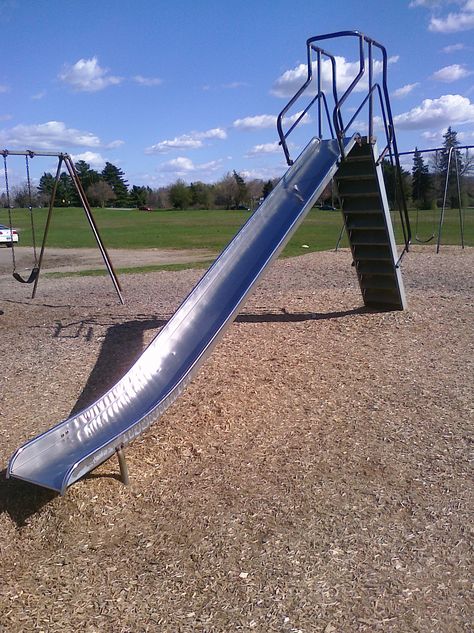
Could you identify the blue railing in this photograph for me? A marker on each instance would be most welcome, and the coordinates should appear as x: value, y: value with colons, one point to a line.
x: 336, y: 126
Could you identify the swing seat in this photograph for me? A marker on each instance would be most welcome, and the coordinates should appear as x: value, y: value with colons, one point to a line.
x: 33, y: 276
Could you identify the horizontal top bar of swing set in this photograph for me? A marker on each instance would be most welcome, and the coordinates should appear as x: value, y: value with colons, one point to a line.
x: 31, y: 153
x: 435, y: 149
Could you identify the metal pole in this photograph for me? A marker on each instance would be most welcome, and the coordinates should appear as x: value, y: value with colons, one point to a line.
x: 87, y: 210
x: 441, y: 217
x: 123, y: 466
x: 48, y: 221
x: 461, y: 219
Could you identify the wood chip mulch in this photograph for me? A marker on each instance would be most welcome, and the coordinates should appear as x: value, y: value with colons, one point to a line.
x: 314, y: 477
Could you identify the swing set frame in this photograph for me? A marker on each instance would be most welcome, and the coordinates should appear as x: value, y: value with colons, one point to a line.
x: 63, y: 160
x: 452, y: 157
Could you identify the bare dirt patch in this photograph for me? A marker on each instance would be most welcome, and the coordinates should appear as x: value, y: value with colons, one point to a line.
x: 315, y: 477
x: 74, y: 260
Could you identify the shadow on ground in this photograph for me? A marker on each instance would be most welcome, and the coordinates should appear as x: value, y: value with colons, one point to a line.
x: 122, y: 346
x: 20, y: 500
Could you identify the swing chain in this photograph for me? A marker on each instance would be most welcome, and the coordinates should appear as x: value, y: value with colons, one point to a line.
x: 30, y: 154
x: 10, y: 217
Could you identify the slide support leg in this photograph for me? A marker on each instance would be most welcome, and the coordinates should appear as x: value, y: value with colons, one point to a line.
x: 123, y: 466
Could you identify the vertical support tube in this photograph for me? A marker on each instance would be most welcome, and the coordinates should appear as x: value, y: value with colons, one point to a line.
x: 320, y: 126
x: 441, y: 217
x: 371, y: 98
x: 123, y: 466
x: 87, y: 210
x: 461, y: 218
x: 52, y: 200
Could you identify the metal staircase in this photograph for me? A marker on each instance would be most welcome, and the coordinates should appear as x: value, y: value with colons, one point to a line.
x: 359, y: 177
x: 369, y: 228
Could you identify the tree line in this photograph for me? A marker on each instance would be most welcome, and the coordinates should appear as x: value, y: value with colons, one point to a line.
x: 109, y: 187
x: 446, y: 171
x: 424, y: 187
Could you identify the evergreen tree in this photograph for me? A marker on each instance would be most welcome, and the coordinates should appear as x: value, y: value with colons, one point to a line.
x: 267, y: 188
x: 242, y: 193
x: 139, y: 196
x: 421, y: 187
x: 87, y: 175
x: 446, y: 167
x: 115, y: 177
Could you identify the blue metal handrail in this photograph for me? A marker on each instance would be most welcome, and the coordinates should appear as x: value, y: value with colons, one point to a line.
x: 338, y: 129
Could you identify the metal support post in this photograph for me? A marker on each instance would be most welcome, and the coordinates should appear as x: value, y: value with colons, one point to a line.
x: 123, y: 466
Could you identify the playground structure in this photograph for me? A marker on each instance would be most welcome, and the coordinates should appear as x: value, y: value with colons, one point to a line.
x: 69, y: 450
x: 66, y: 160
x: 451, y: 153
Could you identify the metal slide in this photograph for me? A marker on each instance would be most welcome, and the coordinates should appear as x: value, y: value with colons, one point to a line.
x: 62, y: 455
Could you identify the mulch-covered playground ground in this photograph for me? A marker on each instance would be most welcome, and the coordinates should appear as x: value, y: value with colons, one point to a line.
x: 314, y: 477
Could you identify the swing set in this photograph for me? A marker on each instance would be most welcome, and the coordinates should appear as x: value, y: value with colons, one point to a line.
x: 63, y: 160
x: 437, y: 226
x: 452, y: 160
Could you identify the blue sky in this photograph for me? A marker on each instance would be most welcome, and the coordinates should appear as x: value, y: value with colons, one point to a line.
x: 191, y: 89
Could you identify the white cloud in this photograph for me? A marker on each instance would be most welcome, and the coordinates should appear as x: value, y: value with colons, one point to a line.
x: 263, y: 173
x: 87, y: 76
x: 147, y: 81
x: 6, y: 117
x: 183, y: 167
x: 257, y: 122
x: 4, y: 88
x: 446, y: 110
x: 291, y: 80
x: 264, y: 148
x: 425, y: 3
x: 462, y: 20
x: 39, y: 95
x: 50, y: 136
x: 451, y: 73
x: 262, y: 121
x: 405, y: 90
x: 193, y: 140
x: 452, y: 48
x: 94, y: 159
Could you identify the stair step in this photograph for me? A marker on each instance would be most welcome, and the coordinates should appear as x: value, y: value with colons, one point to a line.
x: 382, y: 282
x: 372, y: 252
x: 367, y: 187
x: 365, y: 221
x: 355, y: 169
x: 364, y: 238
x: 380, y: 297
x: 359, y: 205
x: 367, y: 267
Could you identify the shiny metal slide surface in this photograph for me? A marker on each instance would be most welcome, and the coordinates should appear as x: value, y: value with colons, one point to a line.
x: 66, y: 452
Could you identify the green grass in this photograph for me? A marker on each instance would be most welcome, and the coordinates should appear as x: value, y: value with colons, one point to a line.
x: 210, y: 230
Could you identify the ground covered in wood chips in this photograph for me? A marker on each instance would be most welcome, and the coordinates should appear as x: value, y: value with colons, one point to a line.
x: 313, y: 478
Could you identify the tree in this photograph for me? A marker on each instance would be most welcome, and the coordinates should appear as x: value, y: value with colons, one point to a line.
x: 421, y: 186
x: 139, y: 196
x: 87, y: 175
x: 392, y: 182
x: 226, y: 191
x: 179, y: 194
x: 267, y: 188
x: 100, y: 193
x: 65, y: 191
x: 446, y: 167
x: 200, y: 194
x: 115, y: 177
x: 241, y: 195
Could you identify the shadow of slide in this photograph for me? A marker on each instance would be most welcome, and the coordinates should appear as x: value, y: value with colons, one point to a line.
x: 20, y: 500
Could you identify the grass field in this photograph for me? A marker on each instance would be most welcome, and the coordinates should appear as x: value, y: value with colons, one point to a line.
x: 190, y: 229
